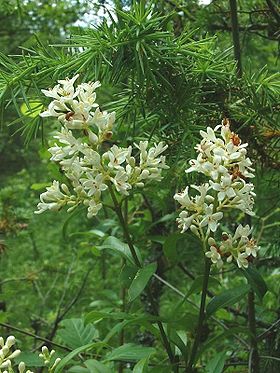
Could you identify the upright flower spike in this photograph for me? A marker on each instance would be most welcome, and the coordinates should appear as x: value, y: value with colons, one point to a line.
x: 222, y: 158
x: 78, y: 150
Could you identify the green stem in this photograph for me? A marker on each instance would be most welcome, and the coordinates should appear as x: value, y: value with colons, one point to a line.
x: 254, y: 360
x: 137, y: 262
x: 201, y: 315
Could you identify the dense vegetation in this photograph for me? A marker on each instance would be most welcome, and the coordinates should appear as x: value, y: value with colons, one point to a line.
x: 120, y: 291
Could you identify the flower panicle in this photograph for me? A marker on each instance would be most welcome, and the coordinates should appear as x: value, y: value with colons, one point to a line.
x: 78, y: 150
x: 222, y: 158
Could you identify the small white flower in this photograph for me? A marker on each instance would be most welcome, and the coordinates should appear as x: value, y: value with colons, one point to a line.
x: 224, y: 188
x: 93, y: 207
x: 120, y: 182
x: 211, y: 219
x: 215, y: 256
x: 184, y: 221
x: 242, y: 260
x: 94, y: 184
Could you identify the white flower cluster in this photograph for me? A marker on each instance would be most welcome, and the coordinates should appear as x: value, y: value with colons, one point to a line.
x: 222, y: 158
x: 239, y: 247
x: 82, y: 156
x: 46, y: 355
x: 6, y: 357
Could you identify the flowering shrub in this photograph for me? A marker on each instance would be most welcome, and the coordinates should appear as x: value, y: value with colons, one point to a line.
x: 88, y: 166
x: 222, y: 158
x: 7, y: 356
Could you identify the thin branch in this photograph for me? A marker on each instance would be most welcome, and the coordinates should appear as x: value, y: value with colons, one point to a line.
x: 273, y: 10
x: 254, y: 360
x: 273, y: 327
x: 22, y: 331
x: 235, y: 36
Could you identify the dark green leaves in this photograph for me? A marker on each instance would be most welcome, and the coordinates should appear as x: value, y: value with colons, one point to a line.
x: 95, y: 366
x: 169, y: 246
x: 227, y: 298
x: 69, y: 357
x: 130, y: 352
x: 198, y: 282
x: 140, y: 280
x: 113, y: 243
x: 256, y: 281
x: 75, y: 334
x: 216, y: 364
x: 92, y: 366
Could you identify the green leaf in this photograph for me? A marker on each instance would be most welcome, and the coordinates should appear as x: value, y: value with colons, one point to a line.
x: 75, y: 334
x: 178, y: 339
x: 198, y: 284
x: 30, y: 359
x: 74, y: 353
x: 169, y: 246
x: 39, y: 186
x: 99, y: 315
x: 141, y: 366
x: 113, y: 243
x: 216, y: 364
x: 77, y: 369
x: 95, y: 366
x: 127, y: 275
x: 256, y: 281
x: 227, y: 298
x: 140, y: 280
x: 34, y: 109
x: 210, y: 343
x: 130, y: 352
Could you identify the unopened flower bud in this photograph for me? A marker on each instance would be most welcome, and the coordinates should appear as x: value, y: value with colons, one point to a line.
x: 108, y: 135
x: 57, y: 361
x: 224, y: 236
x: 209, y: 199
x: 145, y: 174
x: 45, y: 350
x: 65, y: 188
x: 21, y: 367
x: 6, y: 364
x: 52, y: 353
x: 2, y: 341
x: 5, y: 350
x: 194, y: 230
x: 10, y: 341
x: 92, y: 137
x: 15, y: 354
x: 211, y: 241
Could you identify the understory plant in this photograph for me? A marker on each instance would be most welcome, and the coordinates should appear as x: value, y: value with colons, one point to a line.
x: 100, y: 174
x: 222, y: 159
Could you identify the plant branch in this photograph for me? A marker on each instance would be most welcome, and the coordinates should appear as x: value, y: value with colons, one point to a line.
x: 22, y: 331
x: 273, y: 10
x: 139, y: 265
x: 254, y: 359
x: 235, y: 35
x: 201, y: 315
